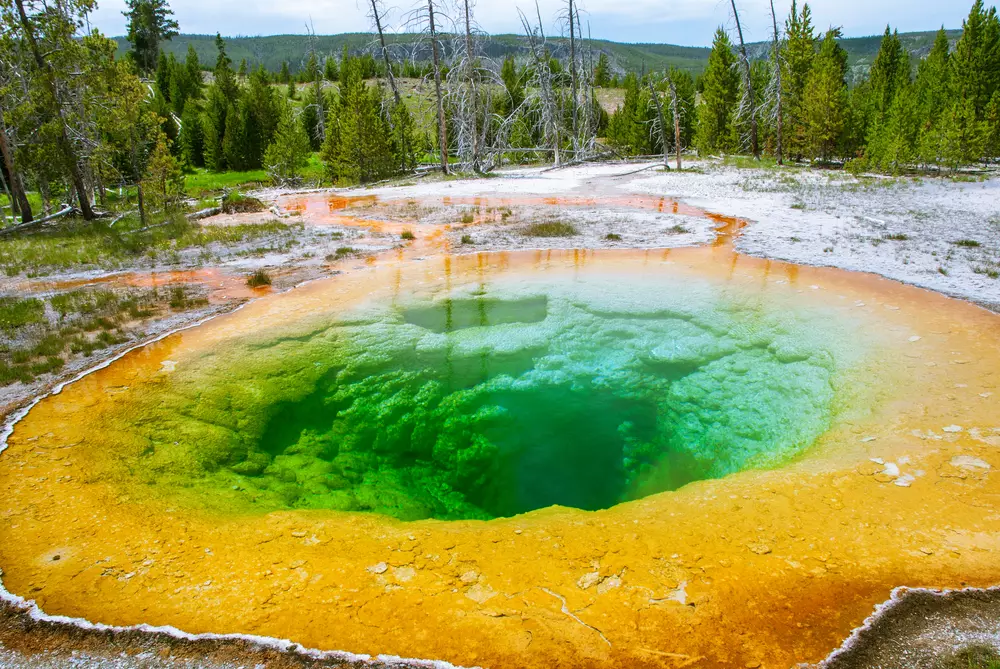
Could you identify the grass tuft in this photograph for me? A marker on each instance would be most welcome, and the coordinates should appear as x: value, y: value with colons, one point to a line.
x: 467, y: 239
x: 550, y: 229
x: 967, y: 243
x: 235, y: 203
x: 896, y: 237
x: 613, y: 237
x: 259, y: 279
x: 407, y: 235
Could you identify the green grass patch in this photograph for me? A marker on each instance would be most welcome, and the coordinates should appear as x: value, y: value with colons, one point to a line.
x: 76, y: 244
x: 467, y: 239
x: 613, y: 237
x: 203, y: 182
x: 896, y: 237
x: 407, y: 235
x: 259, y: 279
x: 972, y: 657
x: 15, y: 313
x: 967, y: 243
x: 550, y: 229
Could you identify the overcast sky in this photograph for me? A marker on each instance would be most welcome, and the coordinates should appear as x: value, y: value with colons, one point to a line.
x: 686, y: 22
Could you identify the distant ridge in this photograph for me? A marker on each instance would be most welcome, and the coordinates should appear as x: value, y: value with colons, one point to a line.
x: 271, y: 51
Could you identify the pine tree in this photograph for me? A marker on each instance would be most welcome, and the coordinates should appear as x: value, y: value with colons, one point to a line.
x: 358, y: 147
x: 164, y: 181
x: 602, y: 71
x: 513, y: 82
x: 976, y: 61
x: 163, y: 71
x: 192, y: 138
x: 193, y: 68
x: 630, y: 126
x: 716, y: 131
x: 889, y: 72
x: 331, y: 71
x: 826, y: 98
x: 288, y: 153
x: 285, y: 75
x: 149, y: 23
x: 965, y: 137
x: 797, y: 62
x: 993, y: 127
x: 933, y: 90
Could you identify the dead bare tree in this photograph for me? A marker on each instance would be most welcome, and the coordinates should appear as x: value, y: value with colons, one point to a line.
x: 775, y: 91
x: 435, y: 50
x: 677, y: 121
x: 317, y: 83
x: 661, y: 123
x: 471, y: 101
x: 376, y: 16
x: 543, y: 89
x: 748, y: 105
x: 572, y: 18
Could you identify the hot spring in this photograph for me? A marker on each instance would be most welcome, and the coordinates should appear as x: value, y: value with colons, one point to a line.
x: 554, y: 458
x: 493, y: 397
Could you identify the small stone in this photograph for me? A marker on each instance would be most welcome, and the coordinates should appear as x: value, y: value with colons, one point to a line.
x: 952, y: 428
x: 866, y: 440
x: 379, y: 568
x: 588, y: 580
x: 891, y: 469
x: 480, y: 593
x: 469, y: 576
x: 878, y: 461
x: 969, y: 462
x: 298, y: 534
x: 759, y: 549
x: 914, y: 339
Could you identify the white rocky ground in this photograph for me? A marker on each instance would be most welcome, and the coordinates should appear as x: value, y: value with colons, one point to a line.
x: 941, y: 233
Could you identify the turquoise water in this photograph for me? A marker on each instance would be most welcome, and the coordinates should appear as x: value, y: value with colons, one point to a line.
x: 496, y: 400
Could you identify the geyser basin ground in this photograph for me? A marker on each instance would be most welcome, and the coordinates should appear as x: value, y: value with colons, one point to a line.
x: 819, y: 438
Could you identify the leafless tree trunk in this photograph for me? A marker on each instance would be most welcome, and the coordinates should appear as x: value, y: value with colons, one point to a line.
x: 677, y: 122
x: 65, y: 144
x: 749, y: 102
x: 474, y: 95
x: 377, y: 17
x: 18, y: 198
x: 778, y: 90
x: 442, y: 126
x: 317, y: 86
x: 13, y: 204
x: 572, y: 66
x: 662, y: 122
x: 550, y: 117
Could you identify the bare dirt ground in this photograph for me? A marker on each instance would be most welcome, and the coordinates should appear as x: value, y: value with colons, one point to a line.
x: 938, y: 233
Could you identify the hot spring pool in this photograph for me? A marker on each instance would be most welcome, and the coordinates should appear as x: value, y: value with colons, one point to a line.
x: 542, y: 458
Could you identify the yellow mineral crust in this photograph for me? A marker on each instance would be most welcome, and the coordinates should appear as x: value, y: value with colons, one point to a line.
x: 761, y: 568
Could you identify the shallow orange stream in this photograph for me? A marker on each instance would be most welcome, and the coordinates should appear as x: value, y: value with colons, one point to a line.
x: 764, y: 568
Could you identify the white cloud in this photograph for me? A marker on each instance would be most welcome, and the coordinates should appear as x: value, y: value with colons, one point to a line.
x: 689, y: 22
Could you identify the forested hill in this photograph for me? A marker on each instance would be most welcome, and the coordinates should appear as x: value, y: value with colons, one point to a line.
x: 272, y: 51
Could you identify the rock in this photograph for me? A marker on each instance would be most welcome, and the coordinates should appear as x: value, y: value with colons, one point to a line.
x: 588, y: 580
x: 914, y: 339
x: 952, y: 428
x: 759, y: 549
x: 480, y: 593
x: 379, y: 568
x: 969, y: 462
